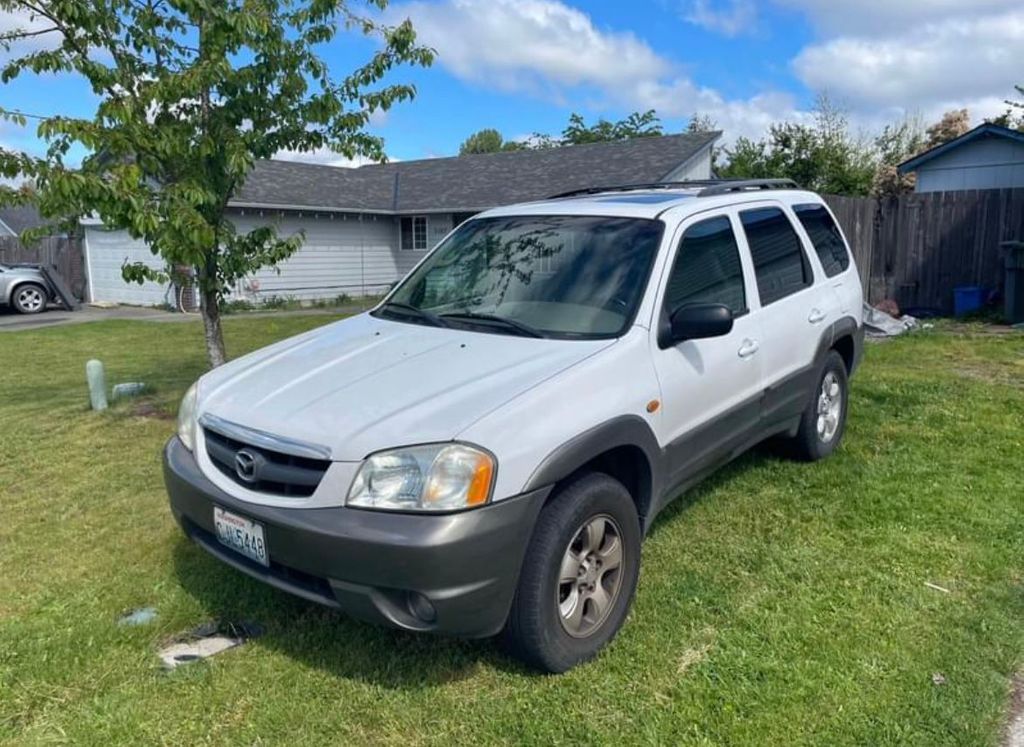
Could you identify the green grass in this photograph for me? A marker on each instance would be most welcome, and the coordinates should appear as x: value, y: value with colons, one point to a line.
x: 779, y: 603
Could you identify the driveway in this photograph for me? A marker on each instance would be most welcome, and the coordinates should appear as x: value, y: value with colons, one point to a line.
x: 11, y: 321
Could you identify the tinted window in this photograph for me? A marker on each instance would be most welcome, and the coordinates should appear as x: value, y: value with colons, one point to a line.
x: 825, y: 236
x: 707, y: 268
x: 568, y: 276
x: 779, y: 262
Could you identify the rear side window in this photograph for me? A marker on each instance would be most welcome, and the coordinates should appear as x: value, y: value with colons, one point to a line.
x: 825, y: 236
x: 707, y: 268
x: 779, y: 263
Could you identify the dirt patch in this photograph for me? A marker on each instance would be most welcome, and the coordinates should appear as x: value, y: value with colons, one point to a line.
x: 145, y: 409
x: 1014, y: 733
x: 1007, y: 375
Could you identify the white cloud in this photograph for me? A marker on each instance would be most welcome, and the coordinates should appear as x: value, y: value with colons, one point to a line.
x: 23, y: 21
x: 322, y: 156
x: 546, y: 48
x: 730, y: 18
x: 529, y: 44
x: 873, y: 17
x: 928, y: 66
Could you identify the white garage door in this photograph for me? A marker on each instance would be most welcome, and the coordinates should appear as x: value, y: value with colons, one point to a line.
x: 106, y: 252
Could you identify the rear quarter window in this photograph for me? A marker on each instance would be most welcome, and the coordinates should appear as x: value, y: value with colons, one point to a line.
x: 825, y: 236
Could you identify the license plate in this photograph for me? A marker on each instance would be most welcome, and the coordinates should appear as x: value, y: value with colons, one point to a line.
x: 241, y: 535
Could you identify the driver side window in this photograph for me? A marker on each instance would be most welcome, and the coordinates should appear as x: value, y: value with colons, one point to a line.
x: 707, y: 268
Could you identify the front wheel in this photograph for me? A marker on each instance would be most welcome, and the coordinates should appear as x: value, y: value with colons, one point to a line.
x: 824, y: 420
x: 579, y: 576
x: 29, y: 298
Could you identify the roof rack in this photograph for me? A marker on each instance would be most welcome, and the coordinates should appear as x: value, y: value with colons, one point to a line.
x: 634, y: 187
x: 725, y: 186
x: 710, y: 187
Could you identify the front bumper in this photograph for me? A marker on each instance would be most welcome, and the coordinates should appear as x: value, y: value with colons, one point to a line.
x: 373, y: 564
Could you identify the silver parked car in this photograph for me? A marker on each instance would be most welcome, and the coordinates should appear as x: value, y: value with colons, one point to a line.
x: 25, y: 288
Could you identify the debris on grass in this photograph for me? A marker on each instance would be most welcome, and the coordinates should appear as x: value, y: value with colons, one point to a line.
x: 127, y: 389
x: 206, y: 640
x: 141, y: 616
x: 943, y: 589
x: 938, y: 679
x: 879, y: 324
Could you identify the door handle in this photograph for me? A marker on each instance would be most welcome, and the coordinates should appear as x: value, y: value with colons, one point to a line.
x: 748, y: 348
x: 817, y: 315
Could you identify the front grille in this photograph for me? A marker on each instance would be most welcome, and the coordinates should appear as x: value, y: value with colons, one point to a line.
x: 275, y: 472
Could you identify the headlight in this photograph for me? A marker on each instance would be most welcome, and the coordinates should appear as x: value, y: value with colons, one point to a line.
x: 187, y: 418
x: 439, y: 477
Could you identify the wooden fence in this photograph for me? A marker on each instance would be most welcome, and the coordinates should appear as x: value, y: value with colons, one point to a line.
x: 916, y: 248
x: 61, y: 252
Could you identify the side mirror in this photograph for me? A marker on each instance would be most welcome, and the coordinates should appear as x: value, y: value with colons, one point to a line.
x: 697, y: 322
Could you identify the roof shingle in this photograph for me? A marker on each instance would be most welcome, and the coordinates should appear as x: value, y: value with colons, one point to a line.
x: 472, y: 182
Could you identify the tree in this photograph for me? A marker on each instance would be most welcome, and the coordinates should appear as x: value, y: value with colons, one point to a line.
x: 953, y: 124
x: 701, y: 123
x: 894, y: 145
x: 487, y: 141
x: 1013, y: 117
x: 191, y: 94
x: 823, y: 156
x: 577, y: 132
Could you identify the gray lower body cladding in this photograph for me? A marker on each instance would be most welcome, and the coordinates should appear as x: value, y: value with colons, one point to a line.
x: 373, y: 565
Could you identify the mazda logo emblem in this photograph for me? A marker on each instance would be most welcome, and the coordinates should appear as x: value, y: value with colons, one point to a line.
x: 245, y: 465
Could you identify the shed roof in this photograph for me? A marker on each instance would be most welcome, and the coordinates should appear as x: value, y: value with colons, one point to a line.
x: 986, y: 130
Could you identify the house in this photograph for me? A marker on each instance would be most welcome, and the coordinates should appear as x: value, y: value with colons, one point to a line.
x: 987, y: 157
x: 14, y: 220
x: 366, y: 227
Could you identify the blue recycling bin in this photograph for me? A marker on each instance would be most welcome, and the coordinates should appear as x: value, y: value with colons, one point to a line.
x: 968, y: 298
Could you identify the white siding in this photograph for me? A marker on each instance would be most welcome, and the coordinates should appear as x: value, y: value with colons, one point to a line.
x: 105, y: 252
x: 350, y: 254
x: 347, y: 254
x: 988, y: 163
x: 697, y: 167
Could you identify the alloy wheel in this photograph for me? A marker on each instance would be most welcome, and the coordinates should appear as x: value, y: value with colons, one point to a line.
x: 590, y: 576
x: 30, y: 299
x: 830, y: 407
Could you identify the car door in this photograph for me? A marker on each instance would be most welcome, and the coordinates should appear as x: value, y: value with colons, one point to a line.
x: 710, y: 388
x: 796, y: 310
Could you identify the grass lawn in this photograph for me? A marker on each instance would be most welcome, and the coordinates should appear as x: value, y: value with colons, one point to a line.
x: 779, y: 603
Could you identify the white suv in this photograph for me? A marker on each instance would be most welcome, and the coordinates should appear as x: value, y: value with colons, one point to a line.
x: 484, y: 451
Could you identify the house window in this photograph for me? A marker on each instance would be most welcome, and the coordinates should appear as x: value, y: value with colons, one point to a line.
x: 414, y: 233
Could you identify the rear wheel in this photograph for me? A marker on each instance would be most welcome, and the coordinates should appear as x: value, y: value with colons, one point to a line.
x: 579, y: 576
x: 29, y: 298
x: 824, y: 421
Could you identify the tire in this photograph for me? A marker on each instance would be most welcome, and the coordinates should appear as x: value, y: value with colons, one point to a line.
x: 29, y: 298
x: 553, y: 624
x: 824, y: 420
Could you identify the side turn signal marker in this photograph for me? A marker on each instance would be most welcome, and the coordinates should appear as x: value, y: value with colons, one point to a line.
x: 653, y: 405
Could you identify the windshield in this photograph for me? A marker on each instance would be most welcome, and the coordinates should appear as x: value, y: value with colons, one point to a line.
x: 541, y: 275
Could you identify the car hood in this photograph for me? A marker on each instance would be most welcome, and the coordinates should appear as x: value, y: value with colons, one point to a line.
x: 365, y: 384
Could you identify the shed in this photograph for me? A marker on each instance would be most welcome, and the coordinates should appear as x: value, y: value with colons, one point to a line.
x: 987, y: 157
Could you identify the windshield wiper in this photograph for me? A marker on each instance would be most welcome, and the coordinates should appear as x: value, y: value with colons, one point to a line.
x: 525, y: 330
x: 410, y: 310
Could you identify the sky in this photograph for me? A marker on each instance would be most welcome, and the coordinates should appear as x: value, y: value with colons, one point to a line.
x: 523, y: 66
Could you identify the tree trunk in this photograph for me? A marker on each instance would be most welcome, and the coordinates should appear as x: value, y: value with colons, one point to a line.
x: 214, y: 332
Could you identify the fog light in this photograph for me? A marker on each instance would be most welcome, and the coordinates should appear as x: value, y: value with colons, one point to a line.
x: 421, y: 608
